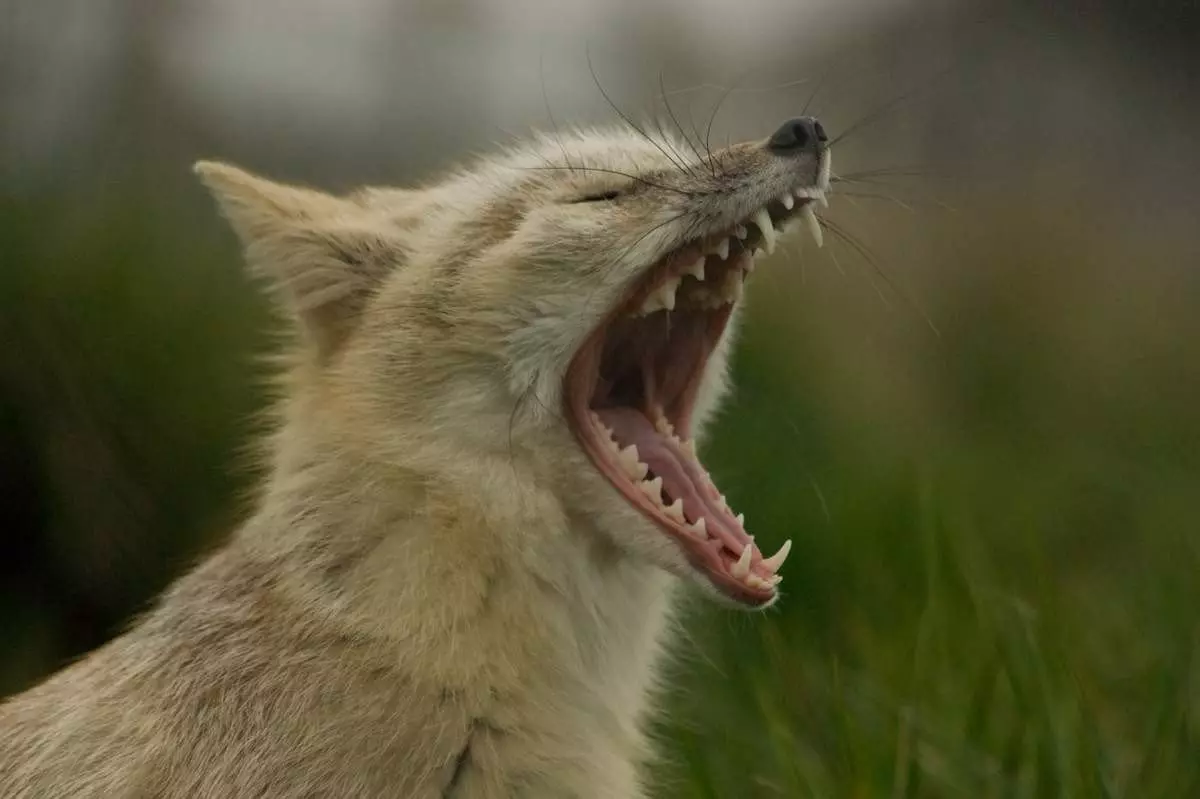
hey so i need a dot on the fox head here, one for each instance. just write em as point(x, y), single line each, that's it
point(563, 311)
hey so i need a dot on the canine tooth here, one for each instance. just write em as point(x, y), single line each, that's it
point(763, 220)
point(722, 249)
point(775, 561)
point(696, 270)
point(652, 489)
point(651, 304)
point(787, 201)
point(666, 293)
point(700, 528)
point(742, 567)
point(813, 225)
point(675, 511)
point(741, 232)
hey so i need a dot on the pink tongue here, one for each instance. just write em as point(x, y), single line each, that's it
point(683, 477)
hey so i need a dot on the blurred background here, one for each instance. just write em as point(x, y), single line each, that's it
point(976, 411)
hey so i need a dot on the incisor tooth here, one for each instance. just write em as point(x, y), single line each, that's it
point(742, 567)
point(787, 201)
point(763, 220)
point(741, 520)
point(675, 511)
point(754, 581)
point(652, 489)
point(696, 270)
point(741, 232)
point(775, 561)
point(813, 225)
point(826, 169)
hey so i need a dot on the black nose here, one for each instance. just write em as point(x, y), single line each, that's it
point(797, 136)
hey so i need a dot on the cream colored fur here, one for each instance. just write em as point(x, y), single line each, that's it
point(437, 595)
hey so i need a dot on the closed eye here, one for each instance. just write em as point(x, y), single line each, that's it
point(599, 197)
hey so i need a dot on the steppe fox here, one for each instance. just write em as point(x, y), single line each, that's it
point(483, 488)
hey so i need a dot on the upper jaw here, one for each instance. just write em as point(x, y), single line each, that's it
point(705, 273)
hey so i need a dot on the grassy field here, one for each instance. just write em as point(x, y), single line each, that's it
point(1011, 612)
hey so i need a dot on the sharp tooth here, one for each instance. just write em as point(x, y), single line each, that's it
point(652, 489)
point(763, 220)
point(631, 463)
point(696, 270)
point(787, 201)
point(662, 425)
point(651, 304)
point(813, 225)
point(741, 232)
point(774, 580)
point(741, 520)
point(689, 448)
point(775, 561)
point(666, 293)
point(742, 567)
point(754, 581)
point(675, 511)
point(700, 528)
point(731, 289)
point(722, 249)
point(819, 196)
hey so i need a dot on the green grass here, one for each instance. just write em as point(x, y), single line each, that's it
point(1002, 621)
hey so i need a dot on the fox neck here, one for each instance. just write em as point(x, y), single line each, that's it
point(473, 571)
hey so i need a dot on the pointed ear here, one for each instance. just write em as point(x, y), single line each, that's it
point(321, 255)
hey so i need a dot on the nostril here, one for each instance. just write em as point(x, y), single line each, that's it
point(802, 134)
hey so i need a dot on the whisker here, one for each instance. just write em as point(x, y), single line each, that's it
point(635, 178)
point(890, 106)
point(872, 196)
point(625, 117)
point(671, 113)
point(549, 113)
point(867, 255)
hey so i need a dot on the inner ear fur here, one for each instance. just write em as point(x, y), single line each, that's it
point(321, 255)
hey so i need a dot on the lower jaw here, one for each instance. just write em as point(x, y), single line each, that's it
point(709, 561)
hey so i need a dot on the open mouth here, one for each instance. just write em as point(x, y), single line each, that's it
point(631, 388)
